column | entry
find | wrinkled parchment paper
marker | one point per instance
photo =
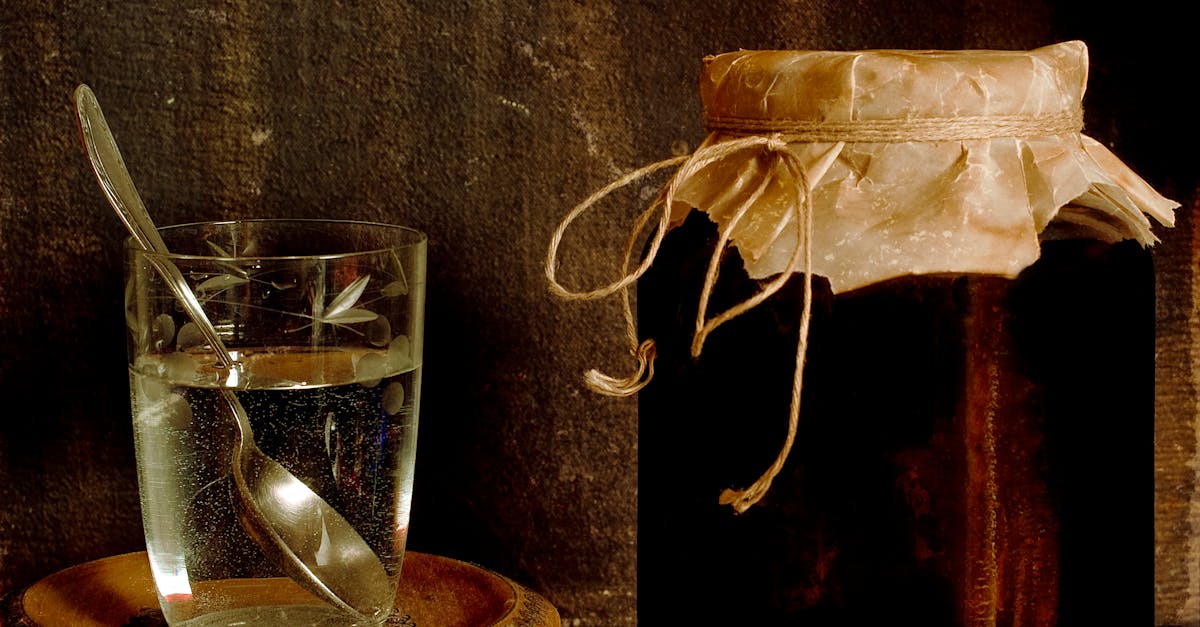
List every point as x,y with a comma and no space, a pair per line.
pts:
885,209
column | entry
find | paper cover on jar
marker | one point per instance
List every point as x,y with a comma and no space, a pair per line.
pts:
917,162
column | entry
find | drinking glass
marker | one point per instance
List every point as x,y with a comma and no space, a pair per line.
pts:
322,321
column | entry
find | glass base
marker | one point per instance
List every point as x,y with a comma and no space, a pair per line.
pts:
276,615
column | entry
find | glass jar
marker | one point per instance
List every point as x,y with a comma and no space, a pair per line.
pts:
971,449
908,279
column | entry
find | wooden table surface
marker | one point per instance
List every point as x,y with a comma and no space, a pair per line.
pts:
434,591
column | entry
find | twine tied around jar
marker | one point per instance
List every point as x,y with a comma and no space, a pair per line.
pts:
728,137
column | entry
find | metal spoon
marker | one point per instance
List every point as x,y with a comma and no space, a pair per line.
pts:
290,522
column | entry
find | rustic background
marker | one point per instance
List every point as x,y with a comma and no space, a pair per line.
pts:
481,123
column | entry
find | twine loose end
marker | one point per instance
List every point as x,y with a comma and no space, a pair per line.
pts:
601,383
742,500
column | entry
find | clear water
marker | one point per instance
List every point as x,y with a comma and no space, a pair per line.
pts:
344,422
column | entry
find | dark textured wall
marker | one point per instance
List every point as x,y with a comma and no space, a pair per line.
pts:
481,123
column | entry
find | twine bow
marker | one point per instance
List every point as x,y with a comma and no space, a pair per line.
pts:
772,136
643,351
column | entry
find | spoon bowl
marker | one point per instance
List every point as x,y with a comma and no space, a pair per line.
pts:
323,551
292,524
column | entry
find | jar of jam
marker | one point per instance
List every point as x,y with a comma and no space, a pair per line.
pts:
896,345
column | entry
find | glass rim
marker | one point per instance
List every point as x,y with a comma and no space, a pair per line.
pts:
414,237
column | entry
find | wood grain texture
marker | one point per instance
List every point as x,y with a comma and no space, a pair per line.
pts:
1177,490
434,591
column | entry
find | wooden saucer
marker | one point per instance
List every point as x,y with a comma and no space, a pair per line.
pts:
434,592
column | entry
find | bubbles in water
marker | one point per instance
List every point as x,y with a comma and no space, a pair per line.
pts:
151,389
393,398
160,407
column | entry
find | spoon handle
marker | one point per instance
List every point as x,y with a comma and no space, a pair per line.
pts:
102,148
123,195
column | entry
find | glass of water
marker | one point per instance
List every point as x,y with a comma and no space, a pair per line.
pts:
261,470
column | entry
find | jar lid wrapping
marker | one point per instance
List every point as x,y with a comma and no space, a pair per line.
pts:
982,156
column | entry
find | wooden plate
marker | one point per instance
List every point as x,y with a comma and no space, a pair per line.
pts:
434,592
